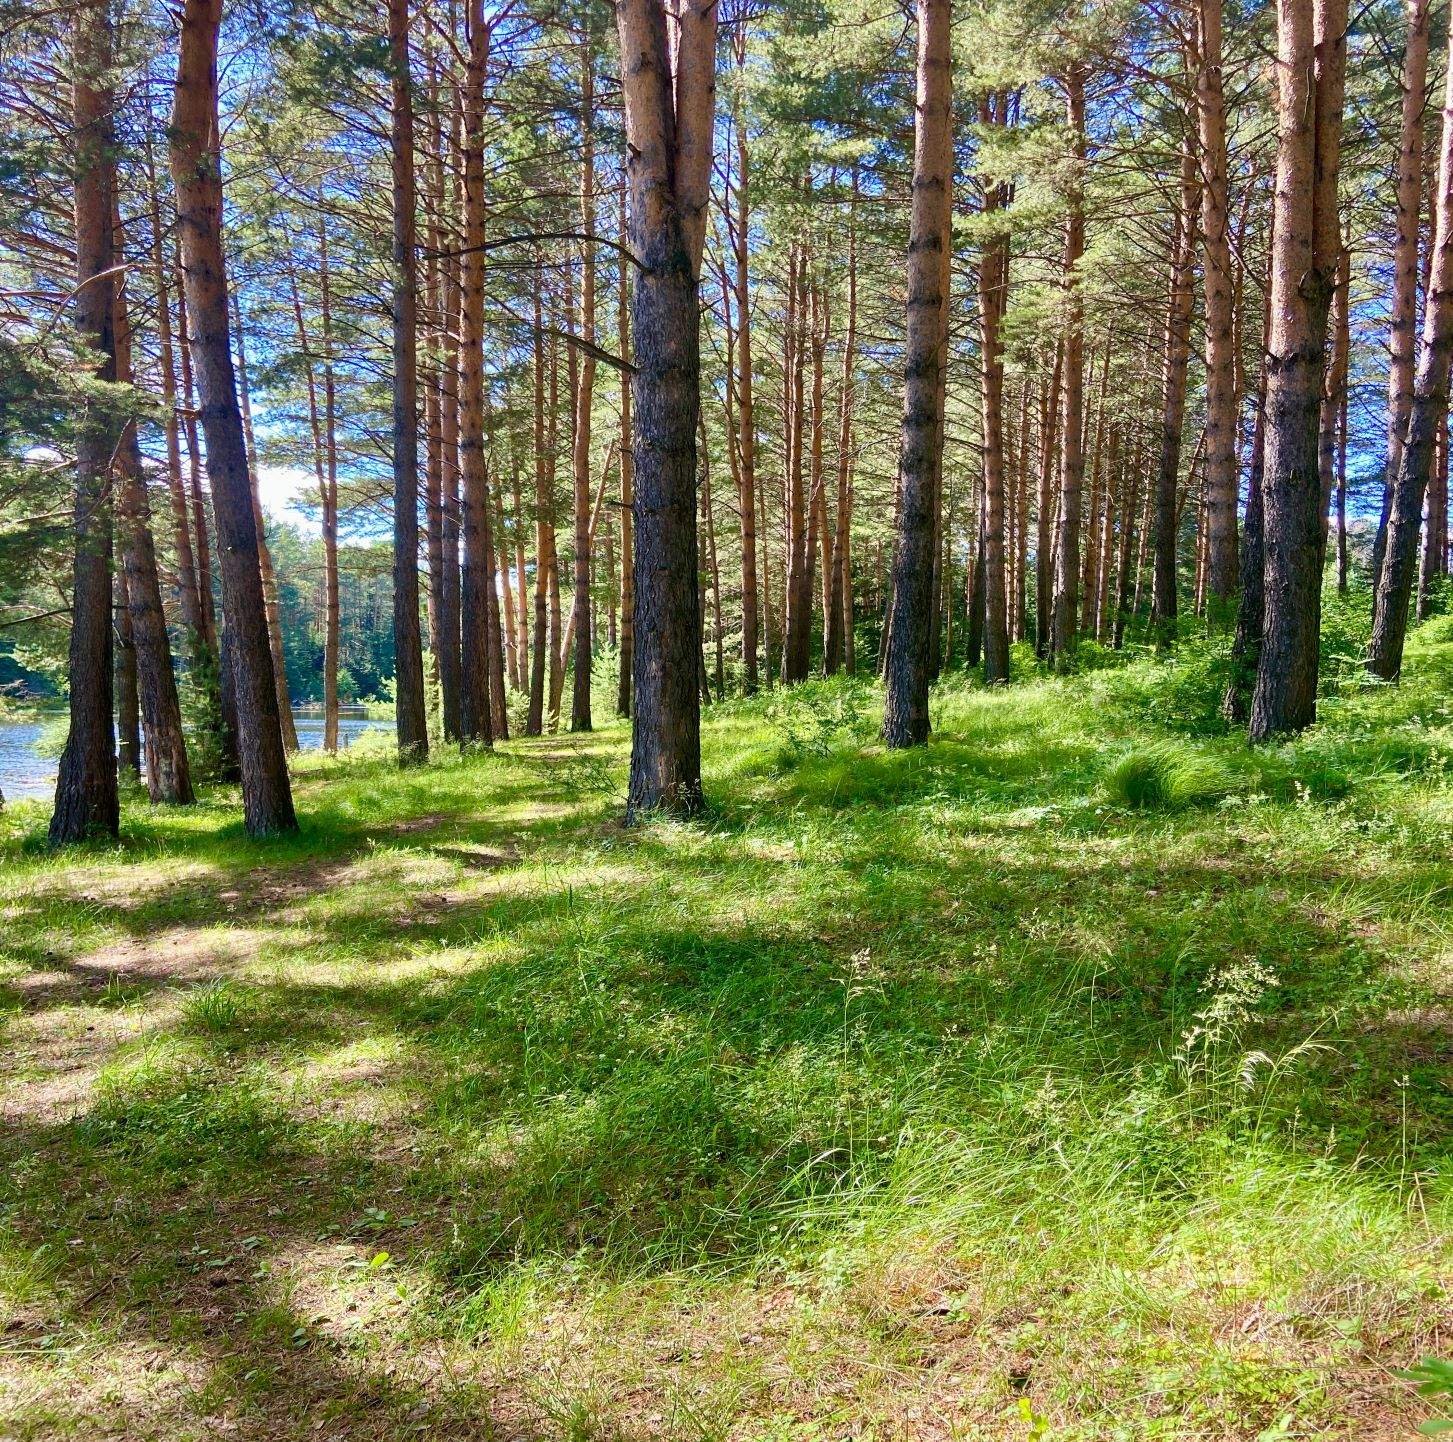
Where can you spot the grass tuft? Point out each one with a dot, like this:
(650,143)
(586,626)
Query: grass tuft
(1167,776)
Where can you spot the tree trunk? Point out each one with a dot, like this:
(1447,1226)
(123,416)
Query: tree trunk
(580,718)
(905,714)
(1435,528)
(1064,621)
(475,715)
(1403,322)
(411,723)
(1334,393)
(993,297)
(264,554)
(128,704)
(1220,304)
(544,532)
(1429,406)
(197,174)
(168,776)
(626,658)
(669,129)
(1312,54)
(1046,504)
(1164,601)
(746,416)
(329,498)
(837,642)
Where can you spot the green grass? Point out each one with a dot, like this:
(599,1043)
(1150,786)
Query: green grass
(1082,1071)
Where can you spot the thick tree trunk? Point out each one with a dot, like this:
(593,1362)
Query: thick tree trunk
(451,480)
(906,669)
(411,723)
(669,129)
(168,776)
(1064,621)
(1429,407)
(475,715)
(196,172)
(1312,54)
(1220,302)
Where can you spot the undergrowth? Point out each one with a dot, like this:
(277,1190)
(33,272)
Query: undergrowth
(1081,1075)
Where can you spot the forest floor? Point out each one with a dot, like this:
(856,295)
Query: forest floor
(919,1095)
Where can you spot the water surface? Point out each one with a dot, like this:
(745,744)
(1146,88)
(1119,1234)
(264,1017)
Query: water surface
(26,774)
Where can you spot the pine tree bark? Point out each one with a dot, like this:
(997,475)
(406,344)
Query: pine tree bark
(544,531)
(1046,504)
(626,656)
(1064,619)
(905,714)
(837,643)
(670,118)
(746,412)
(993,296)
(411,724)
(264,553)
(580,718)
(1220,306)
(332,622)
(1403,322)
(1312,55)
(168,775)
(1426,414)
(1164,601)
(128,703)
(196,173)
(475,715)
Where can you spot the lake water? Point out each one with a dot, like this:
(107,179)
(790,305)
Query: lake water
(24,773)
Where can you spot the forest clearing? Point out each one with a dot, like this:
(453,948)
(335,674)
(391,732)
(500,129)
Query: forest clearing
(968,1091)
(726,720)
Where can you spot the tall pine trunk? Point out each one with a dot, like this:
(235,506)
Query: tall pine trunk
(669,88)
(993,296)
(168,774)
(86,802)
(475,715)
(411,724)
(1064,617)
(1220,304)
(580,718)
(247,658)
(1312,54)
(626,658)
(920,460)
(1164,605)
(1426,414)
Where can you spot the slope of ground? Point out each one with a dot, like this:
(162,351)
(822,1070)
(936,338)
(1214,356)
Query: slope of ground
(1079,1076)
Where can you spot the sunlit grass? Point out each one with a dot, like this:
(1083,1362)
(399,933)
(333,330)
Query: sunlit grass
(901,1086)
